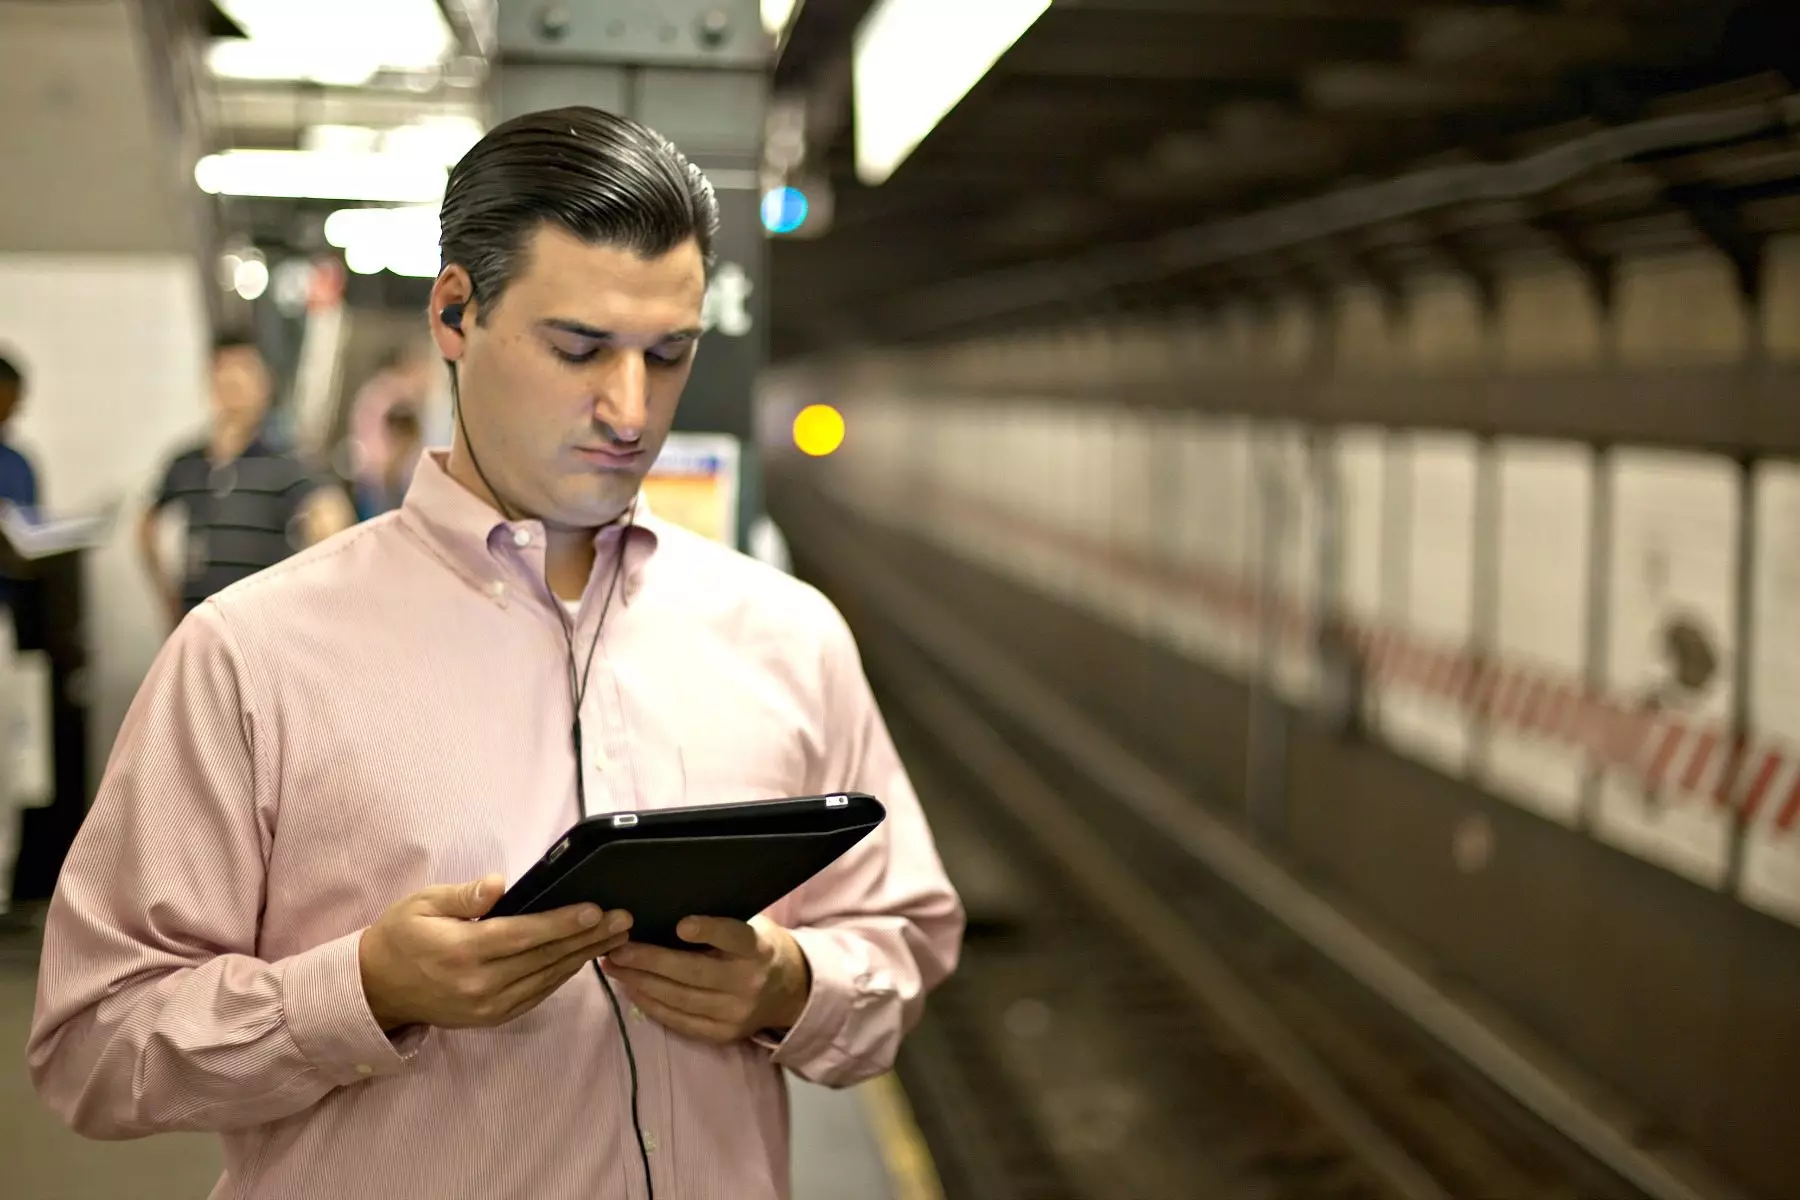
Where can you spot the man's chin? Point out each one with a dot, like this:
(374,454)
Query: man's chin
(599,507)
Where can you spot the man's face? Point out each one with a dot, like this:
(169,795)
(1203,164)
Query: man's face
(240,385)
(569,384)
(11,394)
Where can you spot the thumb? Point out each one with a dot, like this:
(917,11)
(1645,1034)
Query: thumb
(470,899)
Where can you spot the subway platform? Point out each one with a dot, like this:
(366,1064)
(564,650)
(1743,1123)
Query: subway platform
(856,1144)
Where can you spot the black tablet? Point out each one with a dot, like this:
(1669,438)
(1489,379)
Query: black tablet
(721,860)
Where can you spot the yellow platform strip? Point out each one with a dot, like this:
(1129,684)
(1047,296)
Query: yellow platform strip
(903,1150)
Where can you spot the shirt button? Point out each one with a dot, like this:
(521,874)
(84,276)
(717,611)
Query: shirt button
(364,1069)
(601,762)
(521,537)
(637,1014)
(497,589)
(650,1143)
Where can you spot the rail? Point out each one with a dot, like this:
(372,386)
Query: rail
(1577,1109)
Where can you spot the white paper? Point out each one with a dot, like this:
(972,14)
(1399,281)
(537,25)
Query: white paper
(33,539)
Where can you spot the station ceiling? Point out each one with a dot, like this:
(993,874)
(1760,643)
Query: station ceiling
(1095,166)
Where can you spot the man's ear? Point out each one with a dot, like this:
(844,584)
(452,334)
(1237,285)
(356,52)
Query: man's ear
(452,311)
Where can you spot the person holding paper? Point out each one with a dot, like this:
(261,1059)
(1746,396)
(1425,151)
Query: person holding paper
(268,924)
(18,487)
(18,481)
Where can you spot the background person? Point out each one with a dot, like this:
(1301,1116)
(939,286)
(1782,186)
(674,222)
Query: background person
(245,505)
(18,480)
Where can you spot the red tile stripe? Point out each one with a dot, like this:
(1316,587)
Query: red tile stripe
(1694,758)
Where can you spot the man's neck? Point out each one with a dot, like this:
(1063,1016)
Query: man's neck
(568,553)
(568,561)
(228,441)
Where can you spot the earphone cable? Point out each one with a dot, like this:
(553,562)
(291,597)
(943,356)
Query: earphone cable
(578,693)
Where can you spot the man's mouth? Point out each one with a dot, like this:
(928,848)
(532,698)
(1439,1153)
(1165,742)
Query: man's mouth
(610,456)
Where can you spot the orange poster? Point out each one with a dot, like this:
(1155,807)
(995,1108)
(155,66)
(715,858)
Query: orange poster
(695,484)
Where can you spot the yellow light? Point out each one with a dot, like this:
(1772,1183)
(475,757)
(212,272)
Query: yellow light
(818,430)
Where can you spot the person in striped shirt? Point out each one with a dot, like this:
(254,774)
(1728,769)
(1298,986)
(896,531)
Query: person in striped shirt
(244,504)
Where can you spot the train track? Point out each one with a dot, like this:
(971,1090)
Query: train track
(1061,1063)
(1216,1025)
(1126,1029)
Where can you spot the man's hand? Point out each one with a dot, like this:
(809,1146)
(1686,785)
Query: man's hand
(427,961)
(754,977)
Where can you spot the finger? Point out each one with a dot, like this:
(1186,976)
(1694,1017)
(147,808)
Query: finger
(466,900)
(525,994)
(733,937)
(671,1019)
(503,937)
(696,1002)
(691,967)
(592,943)
(548,986)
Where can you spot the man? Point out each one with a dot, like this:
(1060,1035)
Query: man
(18,486)
(266,925)
(245,506)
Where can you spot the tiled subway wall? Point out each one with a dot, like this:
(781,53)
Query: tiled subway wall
(1556,621)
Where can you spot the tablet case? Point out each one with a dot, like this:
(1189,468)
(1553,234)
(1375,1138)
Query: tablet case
(726,860)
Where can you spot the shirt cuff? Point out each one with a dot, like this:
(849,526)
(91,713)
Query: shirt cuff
(329,1019)
(813,1041)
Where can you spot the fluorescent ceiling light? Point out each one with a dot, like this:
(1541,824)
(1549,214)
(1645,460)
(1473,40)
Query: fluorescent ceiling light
(343,42)
(401,240)
(437,139)
(323,175)
(915,60)
(443,139)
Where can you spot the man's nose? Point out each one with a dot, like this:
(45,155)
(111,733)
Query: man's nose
(622,395)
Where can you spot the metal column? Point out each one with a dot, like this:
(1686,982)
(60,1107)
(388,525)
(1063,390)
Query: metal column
(696,71)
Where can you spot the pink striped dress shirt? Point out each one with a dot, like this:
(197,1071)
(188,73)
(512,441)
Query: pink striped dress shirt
(390,710)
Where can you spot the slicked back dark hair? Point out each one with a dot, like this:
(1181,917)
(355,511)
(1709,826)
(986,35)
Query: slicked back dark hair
(598,176)
(9,373)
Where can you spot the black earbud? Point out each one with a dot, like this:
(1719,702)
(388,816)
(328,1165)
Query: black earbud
(452,316)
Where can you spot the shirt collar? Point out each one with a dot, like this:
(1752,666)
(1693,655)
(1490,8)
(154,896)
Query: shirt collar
(481,545)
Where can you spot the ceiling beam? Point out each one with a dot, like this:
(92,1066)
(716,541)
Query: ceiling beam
(1074,44)
(1272,230)
(1264,10)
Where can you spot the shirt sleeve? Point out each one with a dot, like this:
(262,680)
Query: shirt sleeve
(882,926)
(154,1011)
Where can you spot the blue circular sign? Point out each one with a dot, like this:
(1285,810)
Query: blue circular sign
(783,209)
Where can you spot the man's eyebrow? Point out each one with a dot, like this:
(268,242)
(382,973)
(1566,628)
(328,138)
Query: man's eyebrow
(582,329)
